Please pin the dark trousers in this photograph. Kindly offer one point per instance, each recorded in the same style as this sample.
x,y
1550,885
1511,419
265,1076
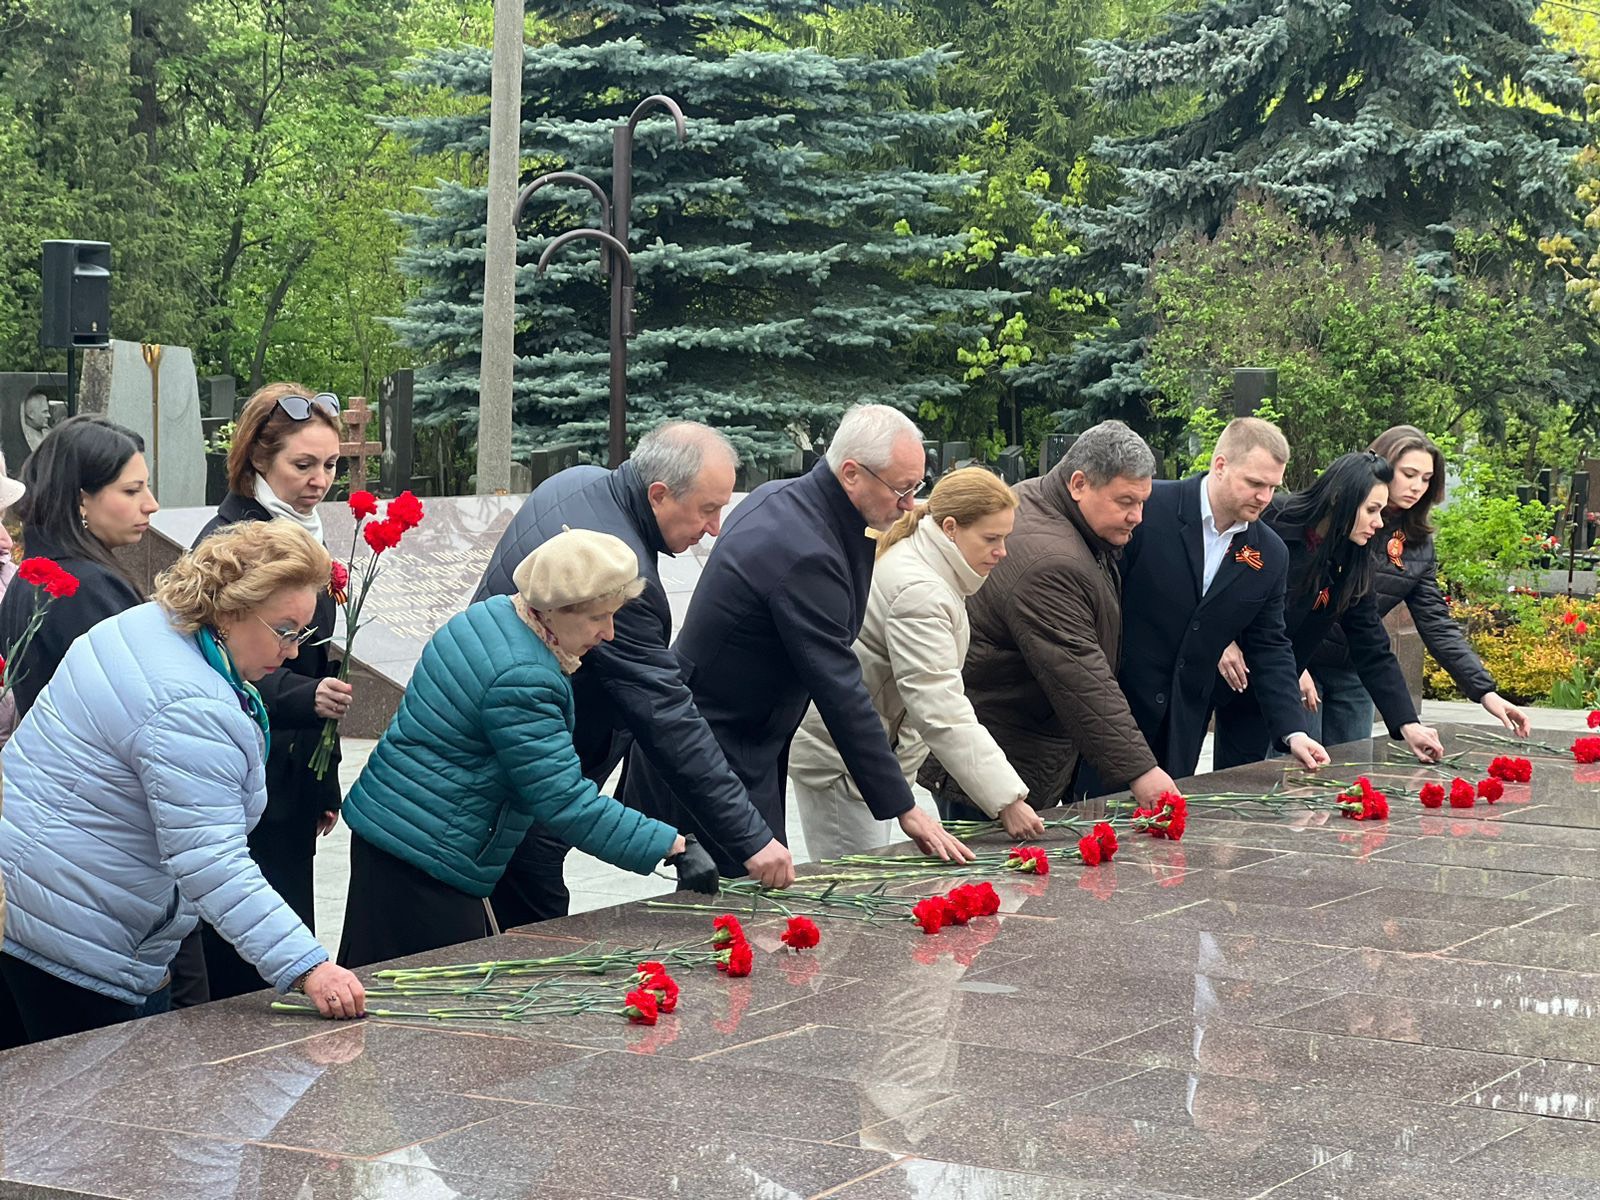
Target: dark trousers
x,y
45,1006
533,887
1240,733
284,851
395,910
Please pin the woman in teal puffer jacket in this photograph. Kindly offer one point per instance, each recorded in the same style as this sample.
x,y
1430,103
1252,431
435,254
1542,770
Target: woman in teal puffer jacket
x,y
481,751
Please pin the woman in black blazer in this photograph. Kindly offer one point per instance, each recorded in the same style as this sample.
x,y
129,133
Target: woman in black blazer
x,y
1328,529
1407,571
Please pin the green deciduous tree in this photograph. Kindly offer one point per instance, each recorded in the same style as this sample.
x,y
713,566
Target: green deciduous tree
x,y
1360,338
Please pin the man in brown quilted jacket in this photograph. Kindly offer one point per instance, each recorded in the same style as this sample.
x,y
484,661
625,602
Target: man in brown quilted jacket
x,y
1047,630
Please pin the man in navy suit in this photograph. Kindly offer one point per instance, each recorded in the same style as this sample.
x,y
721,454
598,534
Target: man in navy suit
x,y
1201,573
772,627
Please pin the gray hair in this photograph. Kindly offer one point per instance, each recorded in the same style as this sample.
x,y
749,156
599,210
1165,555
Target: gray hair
x,y
1108,451
867,434
675,453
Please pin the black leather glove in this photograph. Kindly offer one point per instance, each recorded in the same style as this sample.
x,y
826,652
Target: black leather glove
x,y
696,871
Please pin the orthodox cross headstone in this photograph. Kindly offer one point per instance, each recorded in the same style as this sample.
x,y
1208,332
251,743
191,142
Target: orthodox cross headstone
x,y
356,447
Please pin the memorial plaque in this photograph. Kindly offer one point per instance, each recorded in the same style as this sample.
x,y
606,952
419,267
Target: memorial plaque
x,y
549,460
30,403
1053,450
952,453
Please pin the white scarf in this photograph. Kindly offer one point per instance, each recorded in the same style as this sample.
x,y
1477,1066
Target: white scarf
x,y
268,499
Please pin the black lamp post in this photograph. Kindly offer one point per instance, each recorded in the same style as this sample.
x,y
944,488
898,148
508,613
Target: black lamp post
x,y
615,260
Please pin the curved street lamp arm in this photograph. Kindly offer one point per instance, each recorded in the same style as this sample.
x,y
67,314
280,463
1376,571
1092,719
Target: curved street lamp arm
x,y
571,177
597,235
663,102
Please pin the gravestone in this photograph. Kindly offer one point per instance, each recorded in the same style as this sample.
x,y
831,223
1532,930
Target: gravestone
x,y
19,435
750,476
395,432
549,460
220,396
153,390
952,453
521,478
1252,386
1013,467
1053,450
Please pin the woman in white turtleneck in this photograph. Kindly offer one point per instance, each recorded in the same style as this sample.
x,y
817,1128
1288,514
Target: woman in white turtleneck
x,y
284,459
912,645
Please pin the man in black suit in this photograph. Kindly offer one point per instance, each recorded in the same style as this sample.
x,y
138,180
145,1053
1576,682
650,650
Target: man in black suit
x,y
631,692
1202,573
772,627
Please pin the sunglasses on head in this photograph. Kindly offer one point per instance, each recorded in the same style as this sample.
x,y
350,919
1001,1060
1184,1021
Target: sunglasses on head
x,y
298,408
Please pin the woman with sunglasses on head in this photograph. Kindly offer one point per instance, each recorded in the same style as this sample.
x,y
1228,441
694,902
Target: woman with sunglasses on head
x,y
284,459
1407,571
87,492
1328,529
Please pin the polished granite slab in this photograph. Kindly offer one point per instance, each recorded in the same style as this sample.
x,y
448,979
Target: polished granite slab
x,y
1297,1007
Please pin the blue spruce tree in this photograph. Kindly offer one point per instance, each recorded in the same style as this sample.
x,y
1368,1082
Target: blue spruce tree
x,y
1406,117
770,247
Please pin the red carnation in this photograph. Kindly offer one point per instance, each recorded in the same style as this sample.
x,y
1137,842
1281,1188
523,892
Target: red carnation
x,y
929,913
802,933
647,969
1028,859
383,535
736,960
62,585
965,902
664,988
1107,837
980,898
726,930
1491,789
640,1007
406,510
1512,770
37,571
1462,794
1432,795
1586,749
1089,851
1594,719
1171,816
363,504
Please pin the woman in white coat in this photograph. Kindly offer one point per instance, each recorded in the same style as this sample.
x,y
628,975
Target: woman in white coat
x,y
913,642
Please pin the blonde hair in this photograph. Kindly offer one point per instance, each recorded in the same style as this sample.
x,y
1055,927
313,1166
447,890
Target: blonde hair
x,y
967,495
1244,434
239,569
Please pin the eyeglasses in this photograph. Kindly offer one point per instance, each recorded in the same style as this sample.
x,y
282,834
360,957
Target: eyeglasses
x,y
290,638
298,408
899,493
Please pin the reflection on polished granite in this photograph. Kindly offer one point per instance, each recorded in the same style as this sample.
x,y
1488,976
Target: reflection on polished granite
x,y
1301,1008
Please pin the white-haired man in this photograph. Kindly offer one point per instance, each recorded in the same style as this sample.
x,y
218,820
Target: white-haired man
x,y
631,691
773,624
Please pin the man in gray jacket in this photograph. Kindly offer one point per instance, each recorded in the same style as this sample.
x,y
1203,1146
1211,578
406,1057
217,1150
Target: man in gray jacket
x,y
631,691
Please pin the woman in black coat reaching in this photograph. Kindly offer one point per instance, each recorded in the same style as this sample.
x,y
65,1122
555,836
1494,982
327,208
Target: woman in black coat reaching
x,y
284,459
1328,529
88,492
1407,571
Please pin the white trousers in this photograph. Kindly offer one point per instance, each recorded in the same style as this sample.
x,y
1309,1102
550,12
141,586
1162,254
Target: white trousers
x,y
836,823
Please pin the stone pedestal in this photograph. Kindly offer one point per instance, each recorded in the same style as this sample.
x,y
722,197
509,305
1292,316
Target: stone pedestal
x,y
1408,648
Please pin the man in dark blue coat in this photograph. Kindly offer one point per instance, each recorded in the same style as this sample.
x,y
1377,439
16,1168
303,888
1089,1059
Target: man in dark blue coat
x,y
631,691
773,623
1202,574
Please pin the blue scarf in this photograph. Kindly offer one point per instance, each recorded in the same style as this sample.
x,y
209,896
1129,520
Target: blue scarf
x,y
249,698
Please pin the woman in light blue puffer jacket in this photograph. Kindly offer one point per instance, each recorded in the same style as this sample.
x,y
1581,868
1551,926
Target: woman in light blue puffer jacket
x,y
133,780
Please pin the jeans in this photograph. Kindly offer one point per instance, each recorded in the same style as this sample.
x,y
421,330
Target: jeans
x,y
1346,713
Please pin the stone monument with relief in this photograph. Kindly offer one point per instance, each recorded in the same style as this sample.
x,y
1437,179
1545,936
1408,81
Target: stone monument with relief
x,y
154,391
